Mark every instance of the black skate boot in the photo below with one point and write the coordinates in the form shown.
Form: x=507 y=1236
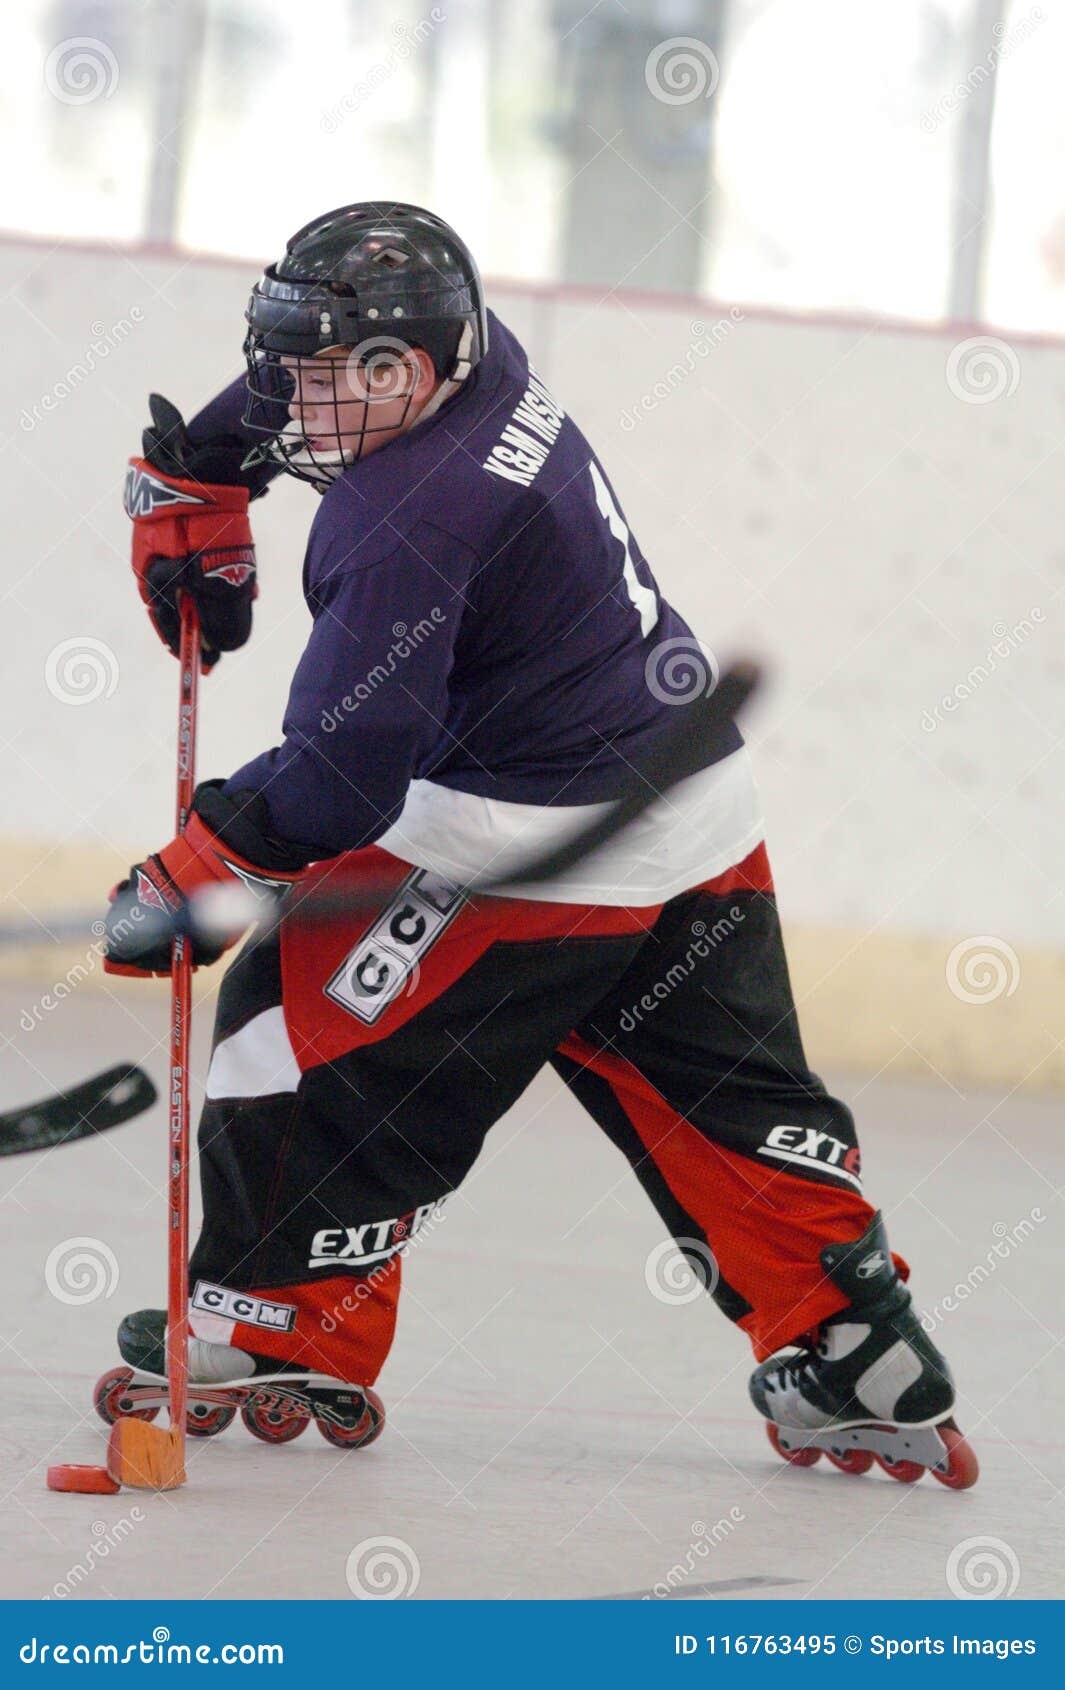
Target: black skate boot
x=277 y=1400
x=868 y=1385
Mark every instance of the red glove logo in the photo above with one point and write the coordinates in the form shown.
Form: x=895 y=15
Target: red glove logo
x=235 y=573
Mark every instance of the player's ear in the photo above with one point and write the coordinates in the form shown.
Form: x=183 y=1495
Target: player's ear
x=427 y=376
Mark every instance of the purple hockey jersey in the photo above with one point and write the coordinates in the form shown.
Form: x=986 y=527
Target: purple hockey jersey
x=484 y=623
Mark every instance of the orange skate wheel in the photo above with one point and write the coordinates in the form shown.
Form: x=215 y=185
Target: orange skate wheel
x=905 y=1472
x=851 y=1460
x=801 y=1457
x=963 y=1469
x=369 y=1427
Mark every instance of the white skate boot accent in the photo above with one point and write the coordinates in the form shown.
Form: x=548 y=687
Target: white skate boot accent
x=883 y=1383
x=841 y=1338
x=217 y=1364
x=790 y=1406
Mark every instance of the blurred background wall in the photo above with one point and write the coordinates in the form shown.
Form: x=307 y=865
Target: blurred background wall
x=800 y=275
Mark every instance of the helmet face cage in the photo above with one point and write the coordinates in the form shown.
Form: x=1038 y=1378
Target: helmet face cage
x=351 y=393
x=323 y=379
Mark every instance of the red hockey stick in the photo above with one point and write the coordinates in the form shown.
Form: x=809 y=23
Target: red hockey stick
x=139 y=1453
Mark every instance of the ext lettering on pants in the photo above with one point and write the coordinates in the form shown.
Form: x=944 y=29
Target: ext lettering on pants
x=374 y=1241
x=806 y=1147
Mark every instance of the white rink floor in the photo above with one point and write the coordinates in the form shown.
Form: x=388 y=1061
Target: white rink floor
x=554 y=1430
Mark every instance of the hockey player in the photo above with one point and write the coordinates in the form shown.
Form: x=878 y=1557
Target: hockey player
x=486 y=660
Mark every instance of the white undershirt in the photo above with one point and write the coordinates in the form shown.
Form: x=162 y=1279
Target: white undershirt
x=703 y=826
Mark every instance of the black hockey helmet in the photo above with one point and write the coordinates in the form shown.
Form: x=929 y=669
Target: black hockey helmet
x=377 y=278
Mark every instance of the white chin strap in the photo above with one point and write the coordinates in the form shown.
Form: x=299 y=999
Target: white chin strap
x=454 y=381
x=323 y=467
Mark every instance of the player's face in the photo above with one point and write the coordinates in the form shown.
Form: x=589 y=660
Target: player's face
x=341 y=403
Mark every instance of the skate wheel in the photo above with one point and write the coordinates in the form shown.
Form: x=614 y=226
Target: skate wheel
x=851 y=1460
x=905 y=1472
x=275 y=1422
x=206 y=1420
x=370 y=1426
x=803 y=1456
x=112 y=1403
x=963 y=1468
x=88 y=1481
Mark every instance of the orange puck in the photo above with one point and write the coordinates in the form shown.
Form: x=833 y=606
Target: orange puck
x=90 y=1481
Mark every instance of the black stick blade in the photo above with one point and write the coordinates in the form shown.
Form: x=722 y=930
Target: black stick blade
x=93 y=1106
x=699 y=727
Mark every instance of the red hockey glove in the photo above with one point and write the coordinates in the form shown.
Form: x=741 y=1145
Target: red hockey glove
x=197 y=859
x=191 y=533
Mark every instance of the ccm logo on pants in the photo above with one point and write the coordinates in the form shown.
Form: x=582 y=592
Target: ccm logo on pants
x=374 y=974
x=235 y=1305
